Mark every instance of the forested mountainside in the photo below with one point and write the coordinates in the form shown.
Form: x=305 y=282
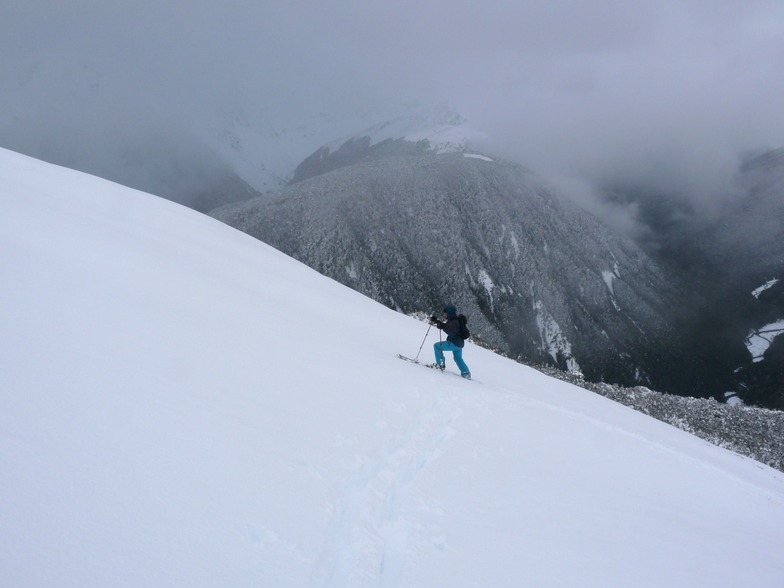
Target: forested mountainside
x=538 y=278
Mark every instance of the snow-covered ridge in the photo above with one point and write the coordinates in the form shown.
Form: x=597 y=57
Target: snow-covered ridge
x=171 y=417
x=445 y=130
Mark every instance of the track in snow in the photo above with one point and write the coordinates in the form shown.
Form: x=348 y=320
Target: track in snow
x=368 y=536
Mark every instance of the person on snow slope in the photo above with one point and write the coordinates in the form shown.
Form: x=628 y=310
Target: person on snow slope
x=453 y=343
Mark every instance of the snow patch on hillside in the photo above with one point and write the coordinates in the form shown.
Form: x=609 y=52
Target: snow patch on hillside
x=487 y=283
x=758 y=340
x=609 y=277
x=553 y=341
x=766 y=286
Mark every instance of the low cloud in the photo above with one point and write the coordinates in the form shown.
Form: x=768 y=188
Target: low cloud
x=661 y=92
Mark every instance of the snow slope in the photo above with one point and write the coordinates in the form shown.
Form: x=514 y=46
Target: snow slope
x=181 y=405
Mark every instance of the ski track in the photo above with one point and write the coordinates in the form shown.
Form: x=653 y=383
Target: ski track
x=367 y=539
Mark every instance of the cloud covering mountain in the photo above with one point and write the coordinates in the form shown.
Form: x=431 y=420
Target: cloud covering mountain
x=667 y=92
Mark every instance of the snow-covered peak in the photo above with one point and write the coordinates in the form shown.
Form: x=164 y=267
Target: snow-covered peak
x=266 y=153
x=445 y=130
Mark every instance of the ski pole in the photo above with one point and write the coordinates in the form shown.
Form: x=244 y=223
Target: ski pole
x=423 y=342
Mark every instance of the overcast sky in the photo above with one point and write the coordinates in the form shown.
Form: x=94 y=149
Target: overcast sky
x=569 y=87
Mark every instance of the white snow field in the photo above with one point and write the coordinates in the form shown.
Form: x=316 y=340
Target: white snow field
x=183 y=406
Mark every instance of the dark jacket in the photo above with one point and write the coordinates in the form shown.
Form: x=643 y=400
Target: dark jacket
x=452 y=326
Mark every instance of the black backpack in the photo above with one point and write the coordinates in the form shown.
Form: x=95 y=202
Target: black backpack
x=464 y=332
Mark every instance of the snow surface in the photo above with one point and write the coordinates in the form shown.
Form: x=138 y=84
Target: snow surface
x=185 y=406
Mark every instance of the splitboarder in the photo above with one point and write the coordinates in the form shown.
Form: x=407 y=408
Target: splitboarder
x=454 y=342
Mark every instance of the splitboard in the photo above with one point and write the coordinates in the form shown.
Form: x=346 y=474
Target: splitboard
x=431 y=366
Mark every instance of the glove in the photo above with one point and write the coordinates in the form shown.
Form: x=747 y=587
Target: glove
x=433 y=320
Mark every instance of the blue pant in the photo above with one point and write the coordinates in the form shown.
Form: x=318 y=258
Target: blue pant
x=457 y=352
